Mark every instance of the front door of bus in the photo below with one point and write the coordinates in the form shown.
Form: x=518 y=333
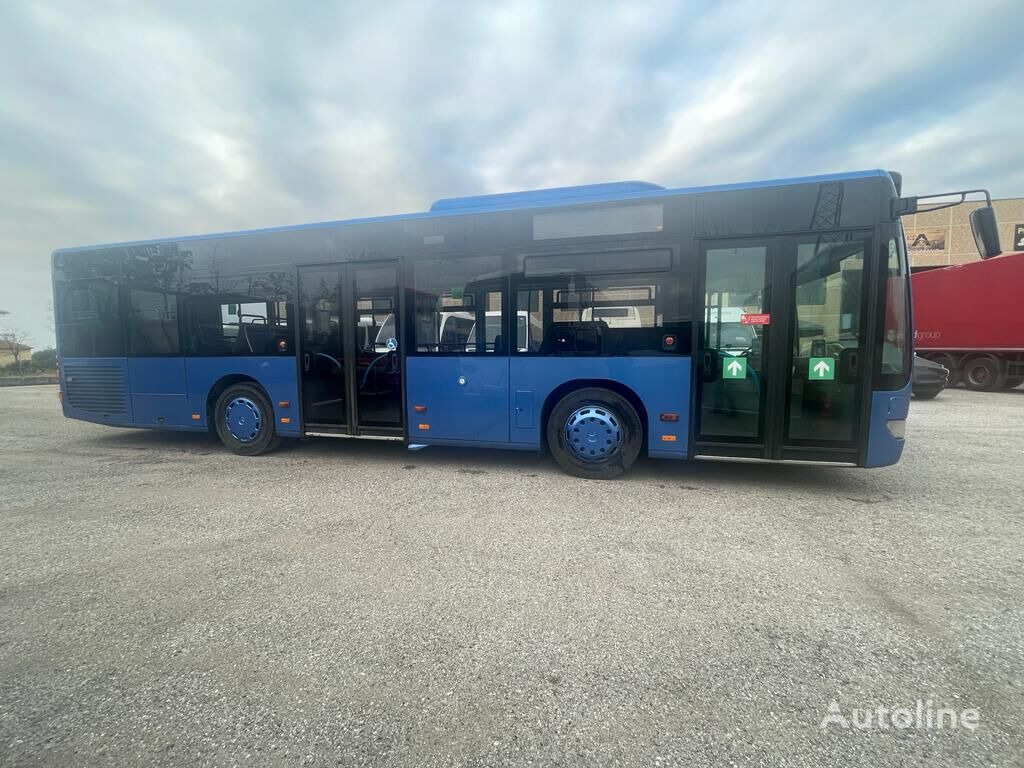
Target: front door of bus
x=780 y=372
x=350 y=362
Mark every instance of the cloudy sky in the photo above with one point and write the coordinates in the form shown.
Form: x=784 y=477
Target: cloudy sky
x=130 y=120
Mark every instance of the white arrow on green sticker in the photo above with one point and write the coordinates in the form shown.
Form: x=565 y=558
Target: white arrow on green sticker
x=734 y=368
x=821 y=368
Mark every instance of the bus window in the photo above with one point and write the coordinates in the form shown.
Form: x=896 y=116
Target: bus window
x=614 y=317
x=456 y=329
x=628 y=315
x=89 y=318
x=448 y=296
x=387 y=331
x=153 y=322
x=731 y=335
x=895 y=357
x=493 y=327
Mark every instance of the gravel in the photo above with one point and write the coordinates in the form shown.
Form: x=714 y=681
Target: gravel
x=164 y=602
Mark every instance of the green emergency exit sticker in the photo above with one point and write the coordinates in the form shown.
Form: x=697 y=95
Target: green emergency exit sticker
x=734 y=368
x=821 y=368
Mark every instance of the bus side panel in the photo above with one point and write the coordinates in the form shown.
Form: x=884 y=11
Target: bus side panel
x=159 y=392
x=662 y=383
x=96 y=389
x=465 y=398
x=884 y=449
x=276 y=375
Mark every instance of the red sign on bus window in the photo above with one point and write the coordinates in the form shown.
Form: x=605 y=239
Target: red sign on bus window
x=755 y=319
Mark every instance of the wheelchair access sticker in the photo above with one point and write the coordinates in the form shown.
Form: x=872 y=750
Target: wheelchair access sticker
x=392 y=343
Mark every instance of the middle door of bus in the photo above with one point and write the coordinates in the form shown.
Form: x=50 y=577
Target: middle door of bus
x=349 y=355
x=780 y=371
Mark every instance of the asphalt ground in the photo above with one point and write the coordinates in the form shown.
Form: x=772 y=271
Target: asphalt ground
x=164 y=602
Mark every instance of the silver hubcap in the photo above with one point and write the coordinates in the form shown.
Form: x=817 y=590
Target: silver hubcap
x=593 y=433
x=243 y=419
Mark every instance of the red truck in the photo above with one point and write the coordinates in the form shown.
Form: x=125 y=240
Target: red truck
x=969 y=318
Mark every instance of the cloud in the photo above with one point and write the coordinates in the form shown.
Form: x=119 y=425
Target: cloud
x=132 y=120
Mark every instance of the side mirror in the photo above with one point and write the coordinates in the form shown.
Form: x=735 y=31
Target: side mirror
x=985 y=228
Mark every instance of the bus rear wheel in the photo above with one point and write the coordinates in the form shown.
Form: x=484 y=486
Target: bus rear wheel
x=594 y=433
x=244 y=420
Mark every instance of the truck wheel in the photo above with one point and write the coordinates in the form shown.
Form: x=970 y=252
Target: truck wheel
x=982 y=374
x=244 y=420
x=594 y=433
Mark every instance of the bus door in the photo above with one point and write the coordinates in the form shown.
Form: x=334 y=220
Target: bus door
x=349 y=350
x=781 y=372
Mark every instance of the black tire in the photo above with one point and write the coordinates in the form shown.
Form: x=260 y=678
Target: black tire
x=256 y=412
x=927 y=393
x=609 y=433
x=1014 y=382
x=982 y=374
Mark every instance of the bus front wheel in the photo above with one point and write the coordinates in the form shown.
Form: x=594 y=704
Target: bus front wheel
x=594 y=433
x=244 y=420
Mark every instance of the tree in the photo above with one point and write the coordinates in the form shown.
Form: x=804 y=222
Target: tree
x=19 y=342
x=45 y=360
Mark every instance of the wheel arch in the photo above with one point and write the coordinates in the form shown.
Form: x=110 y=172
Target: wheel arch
x=571 y=386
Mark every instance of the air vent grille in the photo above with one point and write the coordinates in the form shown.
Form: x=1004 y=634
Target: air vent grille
x=95 y=388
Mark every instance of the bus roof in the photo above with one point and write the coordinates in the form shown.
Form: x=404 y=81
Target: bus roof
x=507 y=201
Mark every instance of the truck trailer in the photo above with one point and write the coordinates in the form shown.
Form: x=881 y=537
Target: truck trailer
x=968 y=317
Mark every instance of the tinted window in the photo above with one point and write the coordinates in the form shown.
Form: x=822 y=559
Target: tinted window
x=153 y=322
x=731 y=336
x=89 y=319
x=602 y=315
x=240 y=314
x=88 y=304
x=451 y=299
x=895 y=359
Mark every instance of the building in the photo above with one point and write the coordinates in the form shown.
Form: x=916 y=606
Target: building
x=7 y=349
x=943 y=237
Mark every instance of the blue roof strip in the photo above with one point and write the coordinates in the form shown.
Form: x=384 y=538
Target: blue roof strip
x=540 y=197
x=509 y=201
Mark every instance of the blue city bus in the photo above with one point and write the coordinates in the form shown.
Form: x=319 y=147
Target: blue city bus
x=765 y=321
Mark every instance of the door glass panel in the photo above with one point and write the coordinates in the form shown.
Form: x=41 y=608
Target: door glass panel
x=895 y=360
x=734 y=384
x=323 y=368
x=377 y=359
x=826 y=339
